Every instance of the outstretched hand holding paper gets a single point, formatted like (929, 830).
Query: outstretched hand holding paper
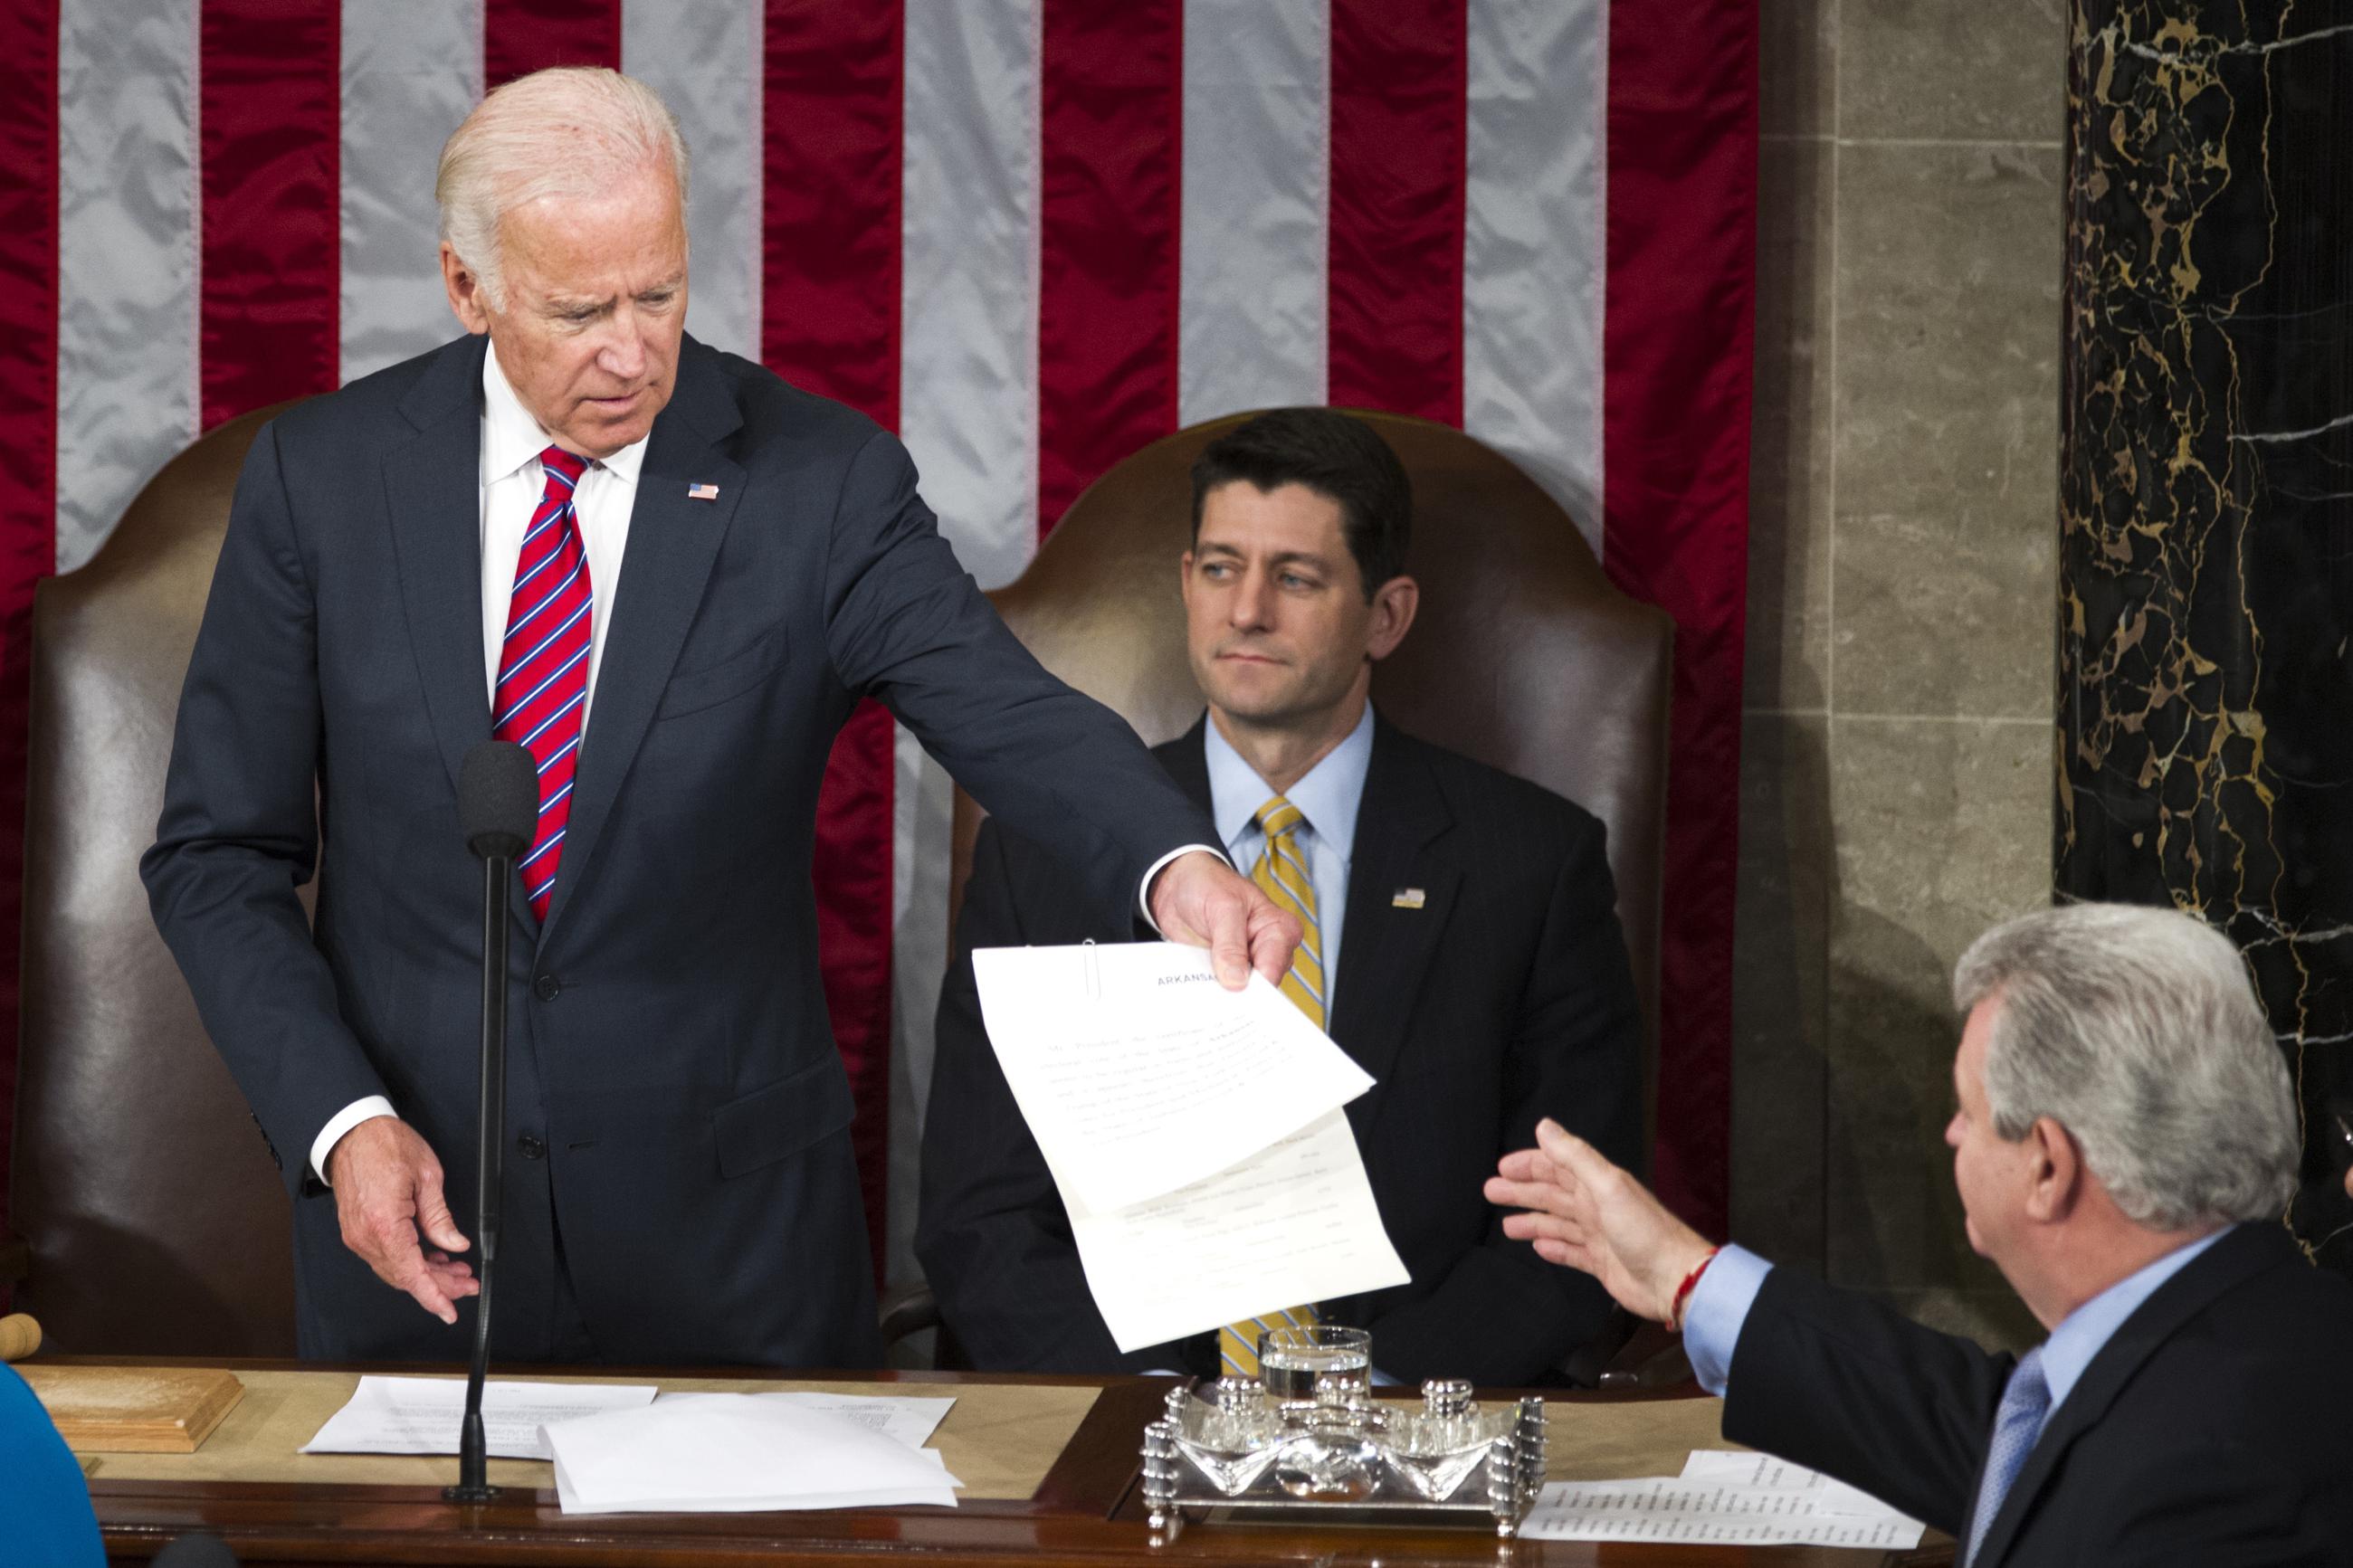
(1195, 1134)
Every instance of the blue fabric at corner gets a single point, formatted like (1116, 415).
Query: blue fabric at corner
(44, 1514)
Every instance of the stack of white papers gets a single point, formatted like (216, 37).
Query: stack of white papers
(720, 1453)
(1734, 1498)
(1195, 1133)
(423, 1415)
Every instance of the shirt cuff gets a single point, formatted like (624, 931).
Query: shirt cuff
(1144, 894)
(1718, 1307)
(349, 1117)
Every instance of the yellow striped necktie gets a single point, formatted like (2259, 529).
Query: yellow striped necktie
(1281, 871)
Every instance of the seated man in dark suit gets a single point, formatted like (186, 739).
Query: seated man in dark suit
(2124, 1145)
(1463, 944)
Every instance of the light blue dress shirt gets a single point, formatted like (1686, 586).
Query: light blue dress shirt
(1720, 1301)
(1327, 797)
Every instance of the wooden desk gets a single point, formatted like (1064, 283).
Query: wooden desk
(1081, 1509)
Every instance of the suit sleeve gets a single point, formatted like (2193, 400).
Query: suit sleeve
(238, 834)
(905, 623)
(991, 1232)
(1846, 1386)
(1502, 1315)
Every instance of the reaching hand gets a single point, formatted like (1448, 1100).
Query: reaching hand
(388, 1189)
(1588, 1213)
(1200, 900)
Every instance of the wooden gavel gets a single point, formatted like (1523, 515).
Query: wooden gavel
(20, 1336)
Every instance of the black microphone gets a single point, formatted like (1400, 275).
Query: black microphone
(498, 805)
(195, 1551)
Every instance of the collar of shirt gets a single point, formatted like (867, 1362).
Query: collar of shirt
(2084, 1333)
(1327, 797)
(513, 437)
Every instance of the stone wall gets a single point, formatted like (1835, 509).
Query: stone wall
(1897, 746)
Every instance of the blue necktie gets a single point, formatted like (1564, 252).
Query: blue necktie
(2024, 1403)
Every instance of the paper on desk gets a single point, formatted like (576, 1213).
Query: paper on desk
(1659, 1508)
(423, 1415)
(1138, 1073)
(902, 1419)
(1292, 1223)
(1744, 1469)
(737, 1452)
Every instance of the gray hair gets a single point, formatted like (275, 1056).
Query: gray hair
(2137, 1029)
(566, 132)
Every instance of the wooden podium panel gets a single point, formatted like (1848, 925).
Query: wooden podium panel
(1051, 1465)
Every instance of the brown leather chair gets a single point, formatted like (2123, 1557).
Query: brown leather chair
(142, 1191)
(1523, 655)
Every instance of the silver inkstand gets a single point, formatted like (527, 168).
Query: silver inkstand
(1232, 1451)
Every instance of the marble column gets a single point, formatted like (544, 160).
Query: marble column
(2204, 749)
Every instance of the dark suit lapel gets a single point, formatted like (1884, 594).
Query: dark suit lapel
(2229, 1262)
(433, 487)
(672, 541)
(1385, 948)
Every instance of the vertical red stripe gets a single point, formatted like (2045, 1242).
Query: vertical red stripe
(268, 111)
(829, 308)
(1111, 170)
(1675, 351)
(28, 433)
(1399, 78)
(520, 37)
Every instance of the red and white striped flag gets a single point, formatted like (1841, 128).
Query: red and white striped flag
(1029, 235)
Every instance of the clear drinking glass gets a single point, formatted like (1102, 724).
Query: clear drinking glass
(1320, 1362)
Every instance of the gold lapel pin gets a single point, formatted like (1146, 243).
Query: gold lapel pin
(1408, 898)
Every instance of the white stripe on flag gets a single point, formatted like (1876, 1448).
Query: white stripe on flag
(1257, 146)
(920, 819)
(704, 57)
(127, 239)
(410, 73)
(968, 258)
(1534, 243)
(968, 412)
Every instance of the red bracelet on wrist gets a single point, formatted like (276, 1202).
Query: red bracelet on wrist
(1683, 1290)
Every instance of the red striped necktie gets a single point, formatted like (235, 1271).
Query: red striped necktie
(543, 690)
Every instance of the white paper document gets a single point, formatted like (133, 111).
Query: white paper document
(423, 1415)
(1729, 1499)
(1745, 1468)
(900, 1418)
(1138, 1073)
(708, 1453)
(1195, 1133)
(1292, 1223)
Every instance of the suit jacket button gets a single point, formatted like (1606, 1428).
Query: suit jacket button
(545, 987)
(533, 1149)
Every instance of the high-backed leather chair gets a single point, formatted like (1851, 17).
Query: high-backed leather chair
(1523, 655)
(145, 1196)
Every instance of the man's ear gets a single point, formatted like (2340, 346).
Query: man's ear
(1393, 603)
(464, 287)
(2056, 1168)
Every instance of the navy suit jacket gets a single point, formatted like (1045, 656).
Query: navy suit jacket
(1505, 995)
(2212, 1430)
(679, 1110)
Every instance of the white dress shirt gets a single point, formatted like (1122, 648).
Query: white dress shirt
(1328, 798)
(510, 484)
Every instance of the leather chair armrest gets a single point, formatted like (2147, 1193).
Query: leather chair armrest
(16, 1258)
(908, 1310)
(1629, 1352)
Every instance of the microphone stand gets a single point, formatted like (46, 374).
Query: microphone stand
(473, 1447)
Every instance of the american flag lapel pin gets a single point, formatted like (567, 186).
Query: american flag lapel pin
(1408, 898)
(703, 492)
